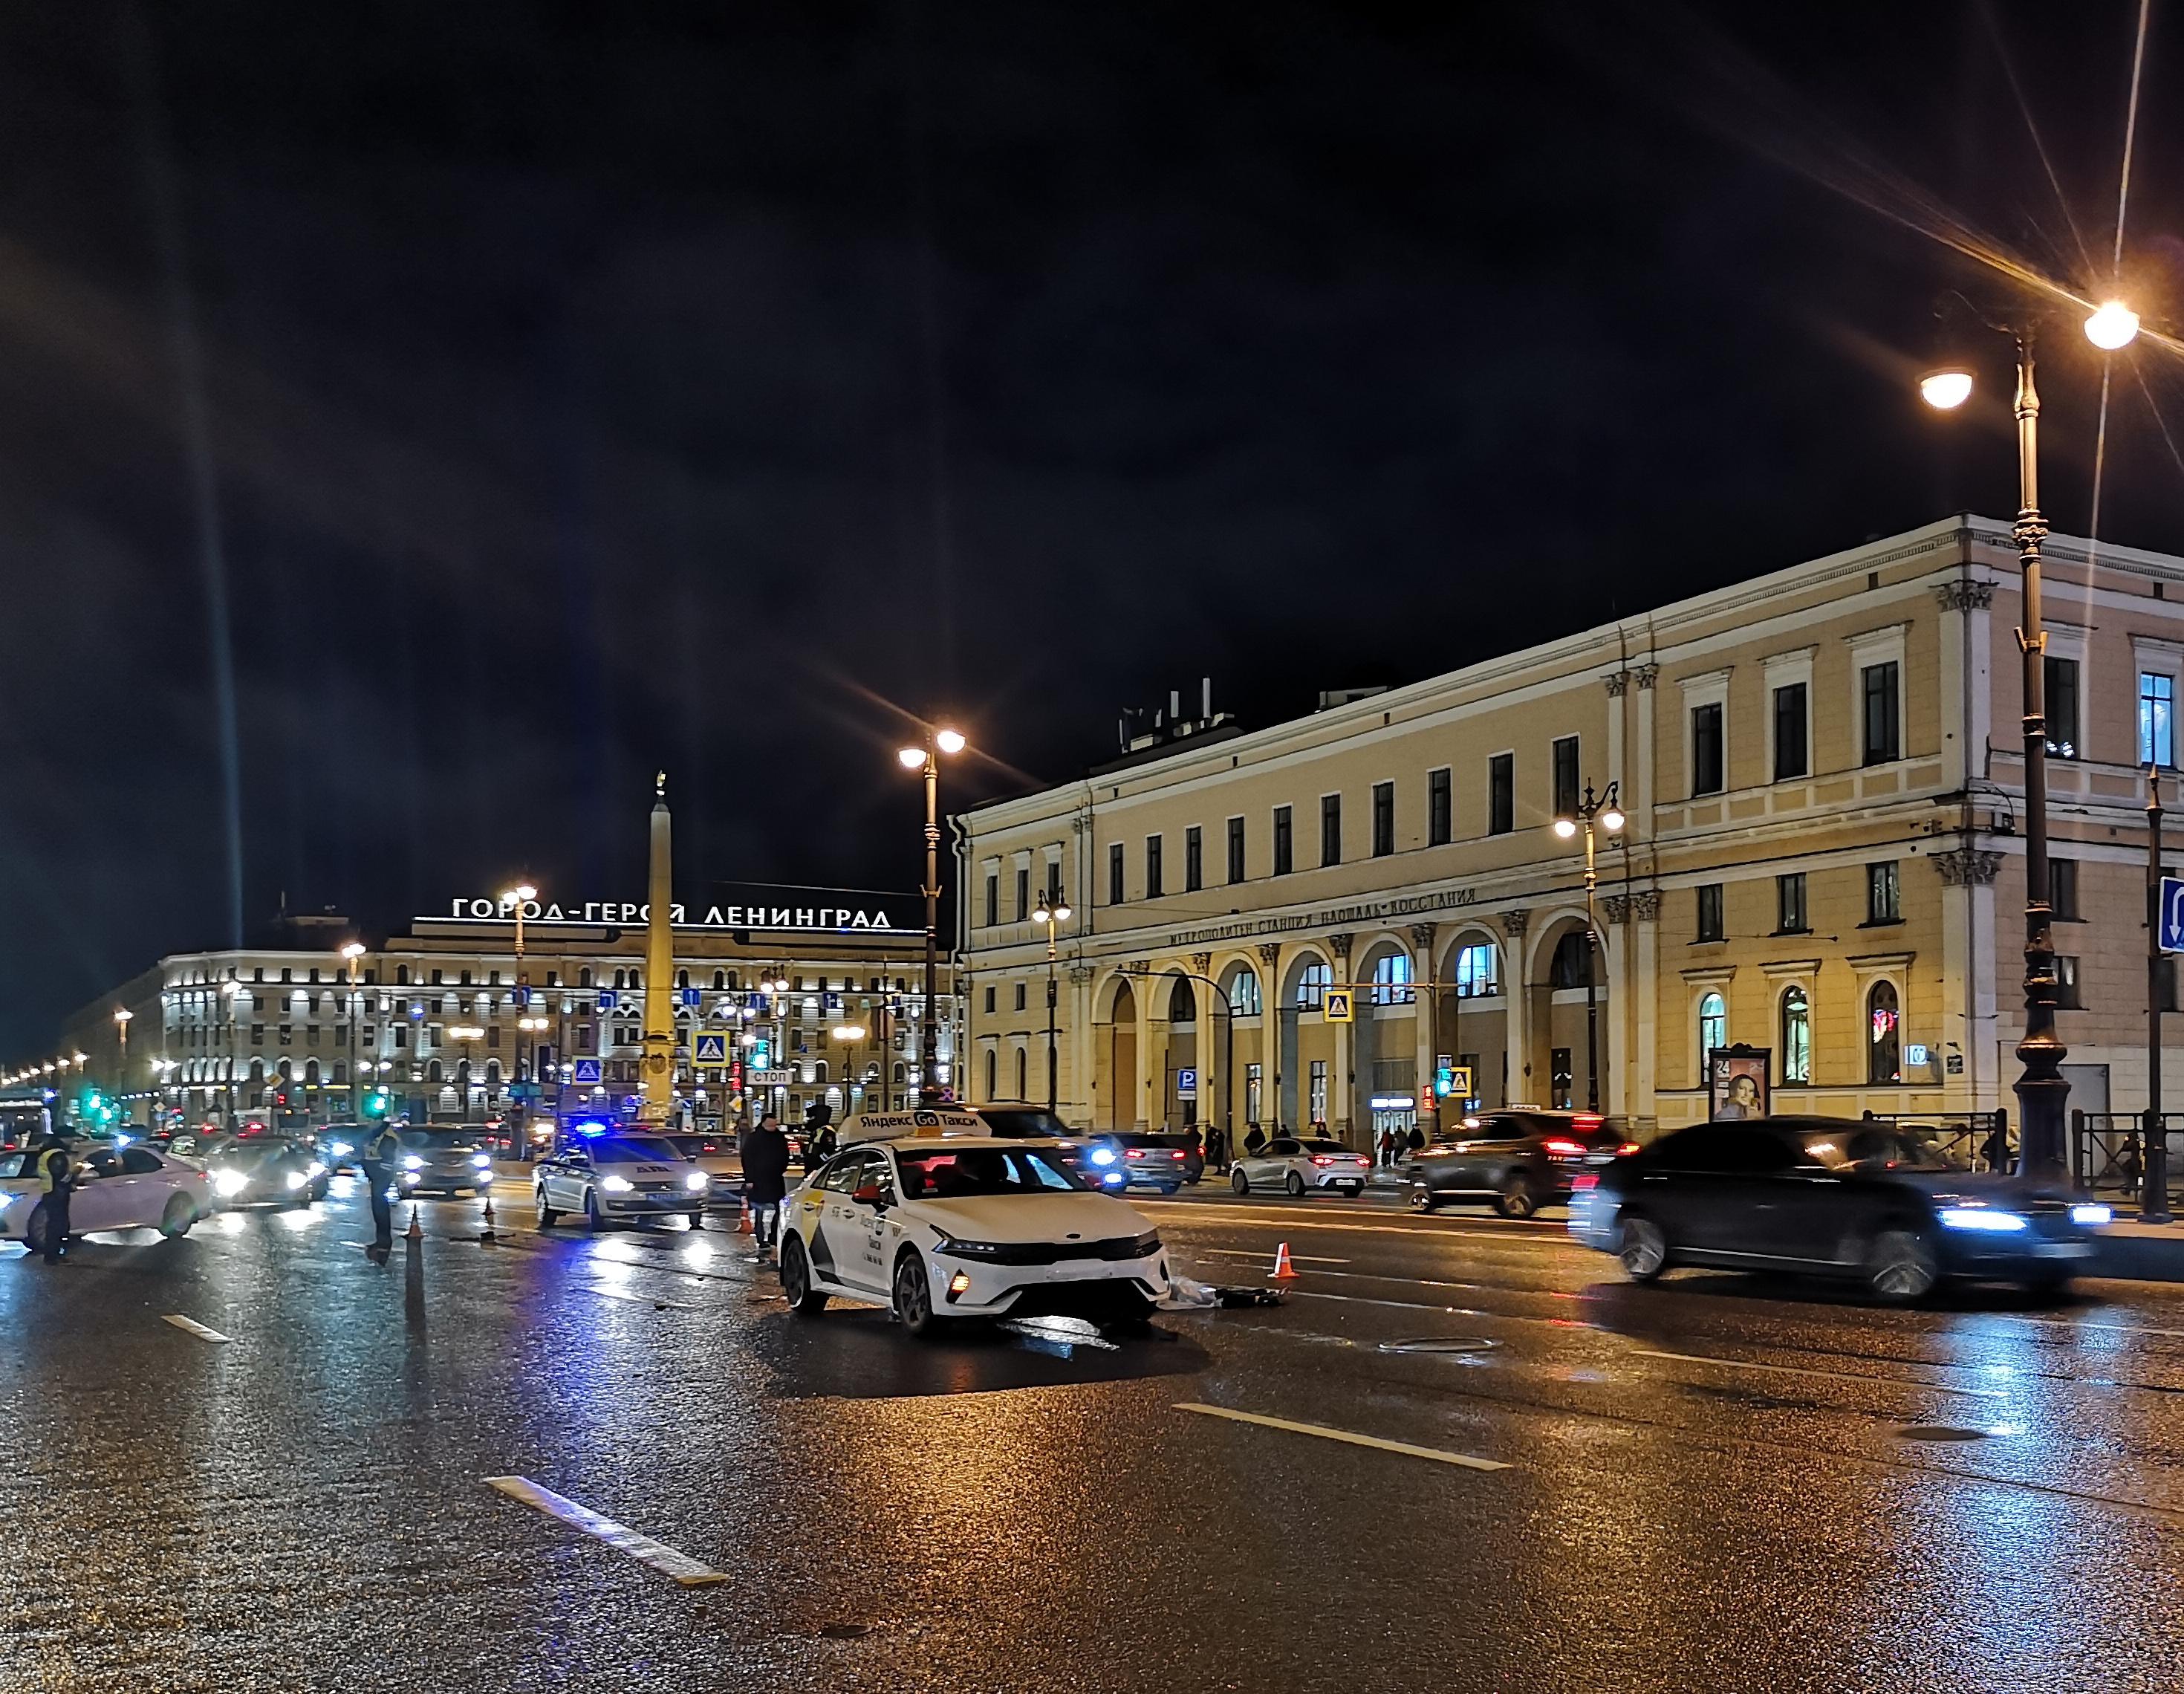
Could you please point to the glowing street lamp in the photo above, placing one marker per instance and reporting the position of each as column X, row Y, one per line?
column 1609, row 816
column 927, row 758
column 1049, row 913
column 2112, row 326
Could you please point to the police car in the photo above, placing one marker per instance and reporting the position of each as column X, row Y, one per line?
column 622, row 1178
column 930, row 1213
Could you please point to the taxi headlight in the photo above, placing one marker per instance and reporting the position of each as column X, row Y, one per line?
column 410, row 1161
column 482, row 1160
column 967, row 1250
column 1980, row 1219
column 2093, row 1215
column 695, row 1180
column 229, row 1182
column 1103, row 1155
column 1146, row 1244
column 615, row 1184
column 295, row 1179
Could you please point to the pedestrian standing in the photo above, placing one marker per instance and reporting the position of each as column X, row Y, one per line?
column 765, row 1166
column 1216, row 1148
column 54, row 1167
column 381, row 1157
column 1995, row 1149
column 819, row 1140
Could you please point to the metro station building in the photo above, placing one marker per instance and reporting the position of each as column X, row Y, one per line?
column 1822, row 773
column 434, row 1016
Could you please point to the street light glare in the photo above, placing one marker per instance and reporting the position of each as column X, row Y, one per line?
column 1565, row 828
column 2112, row 325
column 1611, row 820
column 521, row 893
column 1061, row 914
column 1946, row 390
column 353, row 951
column 912, row 757
column 949, row 742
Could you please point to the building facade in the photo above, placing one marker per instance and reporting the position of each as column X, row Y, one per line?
column 437, row 1017
column 1820, row 776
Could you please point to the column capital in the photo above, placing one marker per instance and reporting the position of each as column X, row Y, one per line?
column 1340, row 942
column 1645, row 905
column 1646, row 675
column 1270, row 953
column 1616, row 908
column 1619, row 684
column 1202, row 963
column 1422, row 935
column 1513, row 923
column 1967, row 867
column 1963, row 594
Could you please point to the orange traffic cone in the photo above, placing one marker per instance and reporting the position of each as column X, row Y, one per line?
column 744, row 1220
column 414, row 1232
column 1284, row 1270
column 485, row 1235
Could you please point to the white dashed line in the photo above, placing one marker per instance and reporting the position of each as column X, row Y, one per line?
column 191, row 1326
column 1828, row 1375
column 1349, row 1436
column 688, row 1572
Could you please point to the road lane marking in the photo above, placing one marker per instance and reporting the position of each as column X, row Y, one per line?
column 191, row 1326
column 636, row 1299
column 1512, row 1231
column 688, row 1572
column 1829, row 1375
column 1349, row 1436
column 1300, row 1258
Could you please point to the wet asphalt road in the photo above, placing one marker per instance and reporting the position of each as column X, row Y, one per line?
column 1719, row 1483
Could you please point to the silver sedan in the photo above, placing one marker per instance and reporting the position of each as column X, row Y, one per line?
column 1301, row 1168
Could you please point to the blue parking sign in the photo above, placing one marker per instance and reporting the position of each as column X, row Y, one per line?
column 2172, row 914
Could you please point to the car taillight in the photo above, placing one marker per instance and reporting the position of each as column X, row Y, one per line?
column 1583, row 1180
column 1627, row 1147
column 1584, row 1121
column 1136, row 1153
column 1564, row 1149
column 1177, row 1154
column 1321, row 1159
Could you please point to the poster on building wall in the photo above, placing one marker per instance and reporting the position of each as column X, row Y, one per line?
column 1737, row 1082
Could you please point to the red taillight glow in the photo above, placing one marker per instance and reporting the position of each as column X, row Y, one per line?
column 1321, row 1159
column 1564, row 1150
column 1177, row 1154
column 1136, row 1153
column 1584, row 1121
column 1627, row 1147
column 1583, row 1180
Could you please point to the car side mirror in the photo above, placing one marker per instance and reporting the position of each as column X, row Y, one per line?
column 869, row 1194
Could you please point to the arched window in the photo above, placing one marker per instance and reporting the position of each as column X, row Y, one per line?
column 682, row 979
column 1572, row 962
column 1392, row 980
column 402, row 973
column 1883, row 1035
column 1182, row 1003
column 1244, row 994
column 1713, row 1030
column 1478, row 971
column 1313, row 985
column 1797, row 1037
column 1023, row 1090
column 432, row 1072
column 620, row 981
column 993, row 1074
column 583, row 977
column 902, row 1072
column 720, row 980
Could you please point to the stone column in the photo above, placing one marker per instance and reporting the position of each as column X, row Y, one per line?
column 1270, row 1039
column 1616, row 932
column 1342, row 1085
column 1141, row 979
column 1971, row 967
column 1644, row 977
column 1423, row 1019
column 1517, row 1020
column 1077, row 1088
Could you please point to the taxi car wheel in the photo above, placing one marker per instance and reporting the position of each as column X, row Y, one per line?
column 1900, row 1267
column 1642, row 1250
column 547, row 1216
column 1425, row 1200
column 804, row 1299
column 593, row 1220
column 913, row 1298
column 1516, row 1199
column 1295, row 1185
column 1238, row 1181
column 175, row 1222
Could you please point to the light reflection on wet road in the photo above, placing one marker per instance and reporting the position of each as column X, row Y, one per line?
column 1720, row 1482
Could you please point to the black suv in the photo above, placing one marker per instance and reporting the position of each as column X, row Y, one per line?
column 1519, row 1158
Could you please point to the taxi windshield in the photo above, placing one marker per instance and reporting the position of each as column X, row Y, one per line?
column 950, row 1175
column 649, row 1150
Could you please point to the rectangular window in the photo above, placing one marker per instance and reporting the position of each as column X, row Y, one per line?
column 1252, row 1088
column 993, row 898
column 2063, row 889
column 1023, row 891
column 1282, row 855
column 1235, row 849
column 2066, row 983
column 1114, row 873
column 1317, row 1099
column 990, row 992
column 1440, row 820
column 1882, row 741
column 1883, row 895
column 1791, row 759
column 1020, row 996
column 1711, row 925
column 1565, row 794
column 1153, row 867
column 2060, row 678
column 1706, row 777
column 1194, row 859
column 1501, row 794
column 1330, row 829
column 1790, row 905
column 2157, row 719
column 1383, row 819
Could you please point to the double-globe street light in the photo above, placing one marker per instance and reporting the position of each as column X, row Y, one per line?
column 1050, row 911
column 519, row 1138
column 1609, row 816
column 928, row 759
column 2042, row 1091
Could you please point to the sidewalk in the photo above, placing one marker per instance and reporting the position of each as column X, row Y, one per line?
column 2140, row 1253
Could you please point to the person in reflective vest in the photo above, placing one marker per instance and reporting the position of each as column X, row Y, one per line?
column 54, row 1167
column 380, row 1159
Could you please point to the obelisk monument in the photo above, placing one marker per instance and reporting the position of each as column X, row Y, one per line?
column 659, row 1084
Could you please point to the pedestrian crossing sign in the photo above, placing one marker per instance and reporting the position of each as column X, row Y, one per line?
column 587, row 1070
column 1337, row 1009
column 712, row 1049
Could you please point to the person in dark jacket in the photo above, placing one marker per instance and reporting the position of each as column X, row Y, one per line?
column 379, row 1158
column 54, row 1167
column 819, row 1138
column 766, row 1166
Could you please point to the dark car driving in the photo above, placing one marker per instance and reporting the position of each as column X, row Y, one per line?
column 1518, row 1159
column 1880, row 1204
column 261, row 1170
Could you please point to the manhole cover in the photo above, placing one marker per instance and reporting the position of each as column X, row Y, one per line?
column 1439, row 1344
column 1938, row 1432
column 844, row 1632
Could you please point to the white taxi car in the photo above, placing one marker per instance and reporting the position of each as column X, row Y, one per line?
column 619, row 1178
column 124, row 1186
column 932, row 1214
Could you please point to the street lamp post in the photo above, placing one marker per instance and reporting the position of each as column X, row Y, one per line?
column 232, row 992
column 122, row 1014
column 927, row 760
column 518, row 1131
column 2042, row 1091
column 1610, row 816
column 350, row 954
column 469, row 1035
column 1050, row 912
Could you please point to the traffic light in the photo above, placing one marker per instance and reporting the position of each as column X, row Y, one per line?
column 375, row 1103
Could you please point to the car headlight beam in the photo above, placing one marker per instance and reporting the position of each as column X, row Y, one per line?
column 615, row 1185
column 1984, row 1219
column 2092, row 1217
column 695, row 1180
column 229, row 1184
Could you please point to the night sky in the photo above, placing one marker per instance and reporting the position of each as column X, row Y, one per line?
column 564, row 391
